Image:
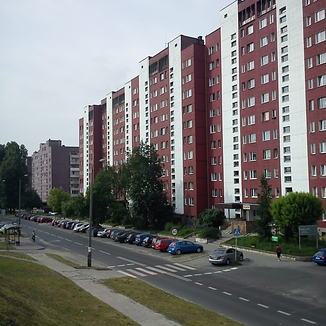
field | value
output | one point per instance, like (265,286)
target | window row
(321,126)
(322,148)
(319,15)
(320,59)
(322,170)
(320,81)
(322,190)
(318,37)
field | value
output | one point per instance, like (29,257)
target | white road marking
(227,293)
(105,252)
(178,277)
(210,287)
(127,274)
(208,273)
(80,244)
(198,283)
(60,237)
(283,312)
(198,274)
(131,261)
(184,266)
(145,271)
(175,267)
(262,305)
(166,268)
(135,272)
(189,275)
(308,321)
(156,270)
(243,299)
(68,240)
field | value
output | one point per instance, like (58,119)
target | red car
(162,244)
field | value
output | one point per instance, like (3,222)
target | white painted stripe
(127,274)
(156,270)
(227,270)
(121,265)
(68,240)
(198,283)
(135,272)
(60,237)
(227,293)
(233,268)
(199,274)
(175,267)
(212,288)
(131,261)
(104,252)
(145,271)
(217,272)
(308,321)
(80,244)
(208,273)
(283,312)
(166,268)
(178,277)
(189,275)
(243,299)
(46,232)
(262,305)
(184,266)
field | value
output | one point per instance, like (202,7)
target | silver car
(225,256)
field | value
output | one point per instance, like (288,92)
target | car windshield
(219,251)
(319,253)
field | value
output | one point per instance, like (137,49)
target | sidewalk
(90,281)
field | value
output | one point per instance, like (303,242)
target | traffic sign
(174,232)
(236,232)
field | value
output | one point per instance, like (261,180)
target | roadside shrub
(210,233)
(170,225)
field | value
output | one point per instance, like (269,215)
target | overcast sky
(57,56)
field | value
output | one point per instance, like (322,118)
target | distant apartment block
(54,166)
(247,100)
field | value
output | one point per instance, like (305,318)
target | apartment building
(54,166)
(247,100)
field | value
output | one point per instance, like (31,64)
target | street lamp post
(89,253)
(20,199)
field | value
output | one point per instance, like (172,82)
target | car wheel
(199,250)
(227,262)
(241,258)
(178,252)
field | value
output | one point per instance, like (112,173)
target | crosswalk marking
(146,271)
(156,270)
(175,267)
(184,266)
(166,268)
(127,274)
(135,272)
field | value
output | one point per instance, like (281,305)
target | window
(265,98)
(213,176)
(264,60)
(252,138)
(251,101)
(287,149)
(265,79)
(251,120)
(286,139)
(251,65)
(287,158)
(213,160)
(308,20)
(313,170)
(265,116)
(285,89)
(189,124)
(250,29)
(253,192)
(284,38)
(212,129)
(312,127)
(266,135)
(321,80)
(190,169)
(321,58)
(213,144)
(214,192)
(322,103)
(250,47)
(263,23)
(253,174)
(285,78)
(312,149)
(287,169)
(284,49)
(322,125)
(323,192)
(284,58)
(322,147)
(263,41)
(211,66)
(283,19)
(320,37)
(311,105)
(190,155)
(267,154)
(251,83)
(212,113)
(309,41)
(320,15)
(286,129)
(310,83)
(323,170)
(210,50)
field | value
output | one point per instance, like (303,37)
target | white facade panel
(289,14)
(229,34)
(86,149)
(128,117)
(176,125)
(109,129)
(144,102)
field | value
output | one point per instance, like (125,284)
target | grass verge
(31,294)
(174,308)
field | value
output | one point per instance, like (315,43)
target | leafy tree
(212,217)
(148,202)
(79,206)
(294,209)
(68,208)
(264,224)
(12,173)
(31,199)
(57,196)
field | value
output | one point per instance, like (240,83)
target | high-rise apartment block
(247,100)
(54,166)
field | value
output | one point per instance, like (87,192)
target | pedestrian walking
(33,236)
(278,252)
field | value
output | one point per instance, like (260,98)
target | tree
(148,202)
(294,209)
(212,217)
(264,224)
(13,171)
(31,199)
(79,206)
(57,196)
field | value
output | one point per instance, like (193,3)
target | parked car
(100,232)
(46,219)
(131,237)
(147,242)
(140,238)
(320,257)
(122,237)
(163,244)
(78,225)
(81,227)
(224,256)
(115,233)
(154,240)
(184,247)
(107,233)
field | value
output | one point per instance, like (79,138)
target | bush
(210,233)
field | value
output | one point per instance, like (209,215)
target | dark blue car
(184,247)
(320,257)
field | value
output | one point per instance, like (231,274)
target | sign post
(236,233)
(308,230)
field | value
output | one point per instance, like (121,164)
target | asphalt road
(262,291)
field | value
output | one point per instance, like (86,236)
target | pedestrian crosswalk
(144,271)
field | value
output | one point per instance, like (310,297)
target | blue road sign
(236,232)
